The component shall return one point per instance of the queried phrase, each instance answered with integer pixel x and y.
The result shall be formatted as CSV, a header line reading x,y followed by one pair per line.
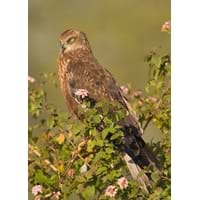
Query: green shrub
x,y
72,159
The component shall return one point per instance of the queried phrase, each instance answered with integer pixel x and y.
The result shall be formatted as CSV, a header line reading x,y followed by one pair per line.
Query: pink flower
x,y
111,191
166,27
56,195
31,79
36,189
122,182
81,93
137,93
152,99
124,89
139,103
70,172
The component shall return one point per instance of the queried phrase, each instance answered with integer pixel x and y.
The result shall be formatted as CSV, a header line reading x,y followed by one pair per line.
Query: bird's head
x,y
71,40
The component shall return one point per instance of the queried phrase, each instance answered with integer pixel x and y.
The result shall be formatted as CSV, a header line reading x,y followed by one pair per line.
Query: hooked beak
x,y
62,48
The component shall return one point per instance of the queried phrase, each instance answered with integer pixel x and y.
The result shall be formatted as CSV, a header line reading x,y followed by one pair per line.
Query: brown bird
x,y
80,72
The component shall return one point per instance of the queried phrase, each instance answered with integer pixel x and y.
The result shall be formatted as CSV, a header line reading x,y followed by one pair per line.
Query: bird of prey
x,y
79,71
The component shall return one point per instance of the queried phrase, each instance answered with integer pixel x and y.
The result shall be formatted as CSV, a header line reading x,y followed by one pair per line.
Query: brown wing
x,y
89,75
94,78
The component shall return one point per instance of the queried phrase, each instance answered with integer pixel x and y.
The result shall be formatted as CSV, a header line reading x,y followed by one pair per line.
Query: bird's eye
x,y
71,40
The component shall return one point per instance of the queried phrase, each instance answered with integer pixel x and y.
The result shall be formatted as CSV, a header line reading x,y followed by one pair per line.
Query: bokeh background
x,y
121,34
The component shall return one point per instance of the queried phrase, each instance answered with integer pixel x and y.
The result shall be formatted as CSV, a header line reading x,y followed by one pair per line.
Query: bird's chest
x,y
63,72
66,75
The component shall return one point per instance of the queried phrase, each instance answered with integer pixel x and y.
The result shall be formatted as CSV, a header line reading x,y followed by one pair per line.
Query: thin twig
x,y
46,161
152,114
76,154
147,123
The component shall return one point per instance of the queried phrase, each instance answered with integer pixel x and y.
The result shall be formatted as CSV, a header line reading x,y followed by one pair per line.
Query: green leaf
x,y
155,176
106,131
93,132
99,156
107,121
50,122
100,170
99,143
109,150
77,128
40,177
88,193
97,119
90,146
118,134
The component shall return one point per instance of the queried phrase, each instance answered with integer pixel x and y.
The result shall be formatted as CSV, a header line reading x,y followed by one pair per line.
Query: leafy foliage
x,y
77,159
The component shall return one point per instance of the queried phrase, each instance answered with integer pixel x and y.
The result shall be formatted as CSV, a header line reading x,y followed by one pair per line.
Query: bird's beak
x,y
62,48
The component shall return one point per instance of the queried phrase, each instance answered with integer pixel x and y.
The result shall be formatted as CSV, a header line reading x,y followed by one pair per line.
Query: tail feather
x,y
137,160
136,173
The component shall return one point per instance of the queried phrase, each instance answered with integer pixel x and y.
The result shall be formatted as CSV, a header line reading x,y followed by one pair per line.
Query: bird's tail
x,y
137,164
137,173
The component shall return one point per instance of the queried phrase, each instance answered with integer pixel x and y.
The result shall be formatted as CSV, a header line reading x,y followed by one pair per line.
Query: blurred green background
x,y
121,34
